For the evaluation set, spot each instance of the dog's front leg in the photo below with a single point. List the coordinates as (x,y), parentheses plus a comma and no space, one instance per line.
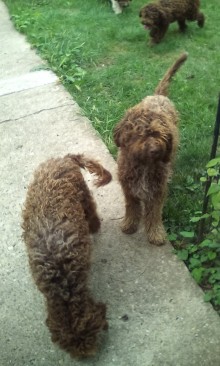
(157,34)
(182,25)
(200,20)
(153,222)
(132,217)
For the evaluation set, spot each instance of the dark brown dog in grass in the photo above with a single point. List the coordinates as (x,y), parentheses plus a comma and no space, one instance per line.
(158,15)
(58,217)
(147,138)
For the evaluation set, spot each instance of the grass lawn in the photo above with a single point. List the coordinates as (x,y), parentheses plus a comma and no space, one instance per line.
(107,65)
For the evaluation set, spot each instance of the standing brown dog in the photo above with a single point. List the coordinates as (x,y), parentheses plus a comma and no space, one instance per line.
(148,138)
(158,15)
(58,216)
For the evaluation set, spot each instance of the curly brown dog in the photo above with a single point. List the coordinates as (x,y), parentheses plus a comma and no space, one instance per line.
(157,16)
(58,216)
(148,138)
(118,5)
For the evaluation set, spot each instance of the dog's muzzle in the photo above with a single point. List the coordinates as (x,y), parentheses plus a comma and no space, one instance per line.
(147,26)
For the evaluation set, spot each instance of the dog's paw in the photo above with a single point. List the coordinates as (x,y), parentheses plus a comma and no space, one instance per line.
(129,227)
(151,42)
(157,241)
(157,237)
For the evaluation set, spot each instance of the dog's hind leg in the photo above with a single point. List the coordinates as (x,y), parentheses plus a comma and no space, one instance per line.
(196,15)
(132,217)
(89,207)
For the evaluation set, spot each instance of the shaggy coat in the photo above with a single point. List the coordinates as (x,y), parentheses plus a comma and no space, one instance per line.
(157,16)
(147,138)
(58,216)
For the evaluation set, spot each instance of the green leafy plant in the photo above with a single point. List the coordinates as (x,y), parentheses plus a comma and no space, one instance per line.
(61,53)
(22,21)
(203,258)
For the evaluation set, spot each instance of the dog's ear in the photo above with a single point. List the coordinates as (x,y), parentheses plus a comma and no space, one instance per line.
(117,132)
(169,148)
(123,133)
(144,12)
(162,19)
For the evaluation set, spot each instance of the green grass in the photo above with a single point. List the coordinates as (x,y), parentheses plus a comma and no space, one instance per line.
(106,63)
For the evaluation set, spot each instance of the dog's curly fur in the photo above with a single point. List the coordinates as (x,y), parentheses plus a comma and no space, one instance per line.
(148,138)
(58,215)
(157,16)
(118,5)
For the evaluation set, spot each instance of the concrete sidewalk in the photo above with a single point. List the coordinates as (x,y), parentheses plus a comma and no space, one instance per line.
(167,322)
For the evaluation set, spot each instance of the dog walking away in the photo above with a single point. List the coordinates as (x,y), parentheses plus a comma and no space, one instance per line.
(157,16)
(58,216)
(147,138)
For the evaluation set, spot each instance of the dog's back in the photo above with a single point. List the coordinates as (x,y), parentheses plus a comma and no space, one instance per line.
(56,226)
(54,213)
(184,7)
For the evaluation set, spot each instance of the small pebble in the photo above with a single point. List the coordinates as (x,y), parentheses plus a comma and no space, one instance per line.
(125,318)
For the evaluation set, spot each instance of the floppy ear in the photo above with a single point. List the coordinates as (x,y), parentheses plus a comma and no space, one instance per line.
(122,133)
(141,12)
(144,12)
(162,19)
(169,148)
(117,132)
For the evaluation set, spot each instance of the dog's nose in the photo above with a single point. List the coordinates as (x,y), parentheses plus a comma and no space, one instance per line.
(154,151)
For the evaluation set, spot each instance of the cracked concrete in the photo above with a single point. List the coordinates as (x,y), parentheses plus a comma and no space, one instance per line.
(26,81)
(37,112)
(156,312)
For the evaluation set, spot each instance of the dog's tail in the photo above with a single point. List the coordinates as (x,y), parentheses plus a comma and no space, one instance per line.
(103,175)
(162,88)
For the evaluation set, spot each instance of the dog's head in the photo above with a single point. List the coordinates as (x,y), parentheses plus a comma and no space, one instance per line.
(144,139)
(124,3)
(78,329)
(87,330)
(151,16)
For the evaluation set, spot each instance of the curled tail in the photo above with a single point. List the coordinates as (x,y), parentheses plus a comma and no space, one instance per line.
(162,88)
(103,175)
